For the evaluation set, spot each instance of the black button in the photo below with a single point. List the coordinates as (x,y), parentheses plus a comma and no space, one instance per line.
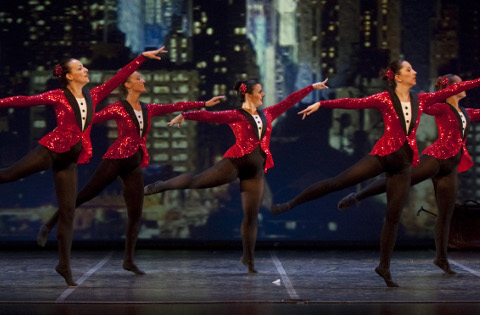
(408,121)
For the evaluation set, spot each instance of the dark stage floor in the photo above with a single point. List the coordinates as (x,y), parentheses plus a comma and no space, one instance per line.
(318,281)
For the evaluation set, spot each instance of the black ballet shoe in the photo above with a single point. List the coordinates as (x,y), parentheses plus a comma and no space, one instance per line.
(42,235)
(66,273)
(130,266)
(444,265)
(250,265)
(385,274)
(347,202)
(153,188)
(280,208)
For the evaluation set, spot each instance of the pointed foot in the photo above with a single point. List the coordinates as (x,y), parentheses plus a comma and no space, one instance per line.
(385,274)
(130,266)
(42,235)
(66,273)
(348,201)
(250,265)
(444,265)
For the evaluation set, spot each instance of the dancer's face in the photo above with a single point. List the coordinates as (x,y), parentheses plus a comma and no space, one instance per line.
(407,75)
(460,95)
(78,73)
(135,83)
(257,95)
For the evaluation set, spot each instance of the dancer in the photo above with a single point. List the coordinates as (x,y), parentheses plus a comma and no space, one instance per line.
(125,158)
(393,154)
(248,159)
(69,143)
(441,162)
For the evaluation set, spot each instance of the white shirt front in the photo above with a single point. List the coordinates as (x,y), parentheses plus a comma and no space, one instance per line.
(258,120)
(464,122)
(139,115)
(83,110)
(407,113)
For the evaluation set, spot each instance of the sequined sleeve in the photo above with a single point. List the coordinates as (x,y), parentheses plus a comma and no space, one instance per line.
(473,113)
(278,109)
(219,117)
(373,101)
(163,109)
(109,112)
(103,90)
(47,98)
(434,109)
(435,97)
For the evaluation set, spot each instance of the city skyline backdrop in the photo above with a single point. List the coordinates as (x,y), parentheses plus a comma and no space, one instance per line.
(287,44)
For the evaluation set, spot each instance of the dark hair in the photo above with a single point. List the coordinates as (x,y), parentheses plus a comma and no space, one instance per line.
(249,84)
(395,66)
(60,71)
(443,81)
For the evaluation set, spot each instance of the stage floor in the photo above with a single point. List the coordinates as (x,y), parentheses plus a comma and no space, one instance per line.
(306,281)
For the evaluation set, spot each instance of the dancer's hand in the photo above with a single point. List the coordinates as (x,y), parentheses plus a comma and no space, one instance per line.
(214,100)
(310,110)
(152,54)
(320,85)
(177,120)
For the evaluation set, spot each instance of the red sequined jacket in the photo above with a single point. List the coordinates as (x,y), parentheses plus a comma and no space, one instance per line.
(395,133)
(245,128)
(450,140)
(69,131)
(129,139)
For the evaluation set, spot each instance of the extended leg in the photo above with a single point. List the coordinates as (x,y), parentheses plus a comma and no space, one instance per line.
(221,173)
(445,195)
(252,194)
(133,195)
(37,160)
(105,173)
(66,188)
(367,167)
(427,168)
(398,185)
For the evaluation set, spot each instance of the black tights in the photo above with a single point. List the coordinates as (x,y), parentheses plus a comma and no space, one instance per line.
(397,167)
(130,173)
(445,182)
(64,167)
(250,170)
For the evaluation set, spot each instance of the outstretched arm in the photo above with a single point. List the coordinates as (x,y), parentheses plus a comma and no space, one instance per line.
(278,109)
(47,98)
(100,92)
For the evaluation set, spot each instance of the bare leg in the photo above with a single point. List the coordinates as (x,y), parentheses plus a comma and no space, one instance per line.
(252,194)
(398,185)
(133,195)
(368,167)
(445,194)
(427,168)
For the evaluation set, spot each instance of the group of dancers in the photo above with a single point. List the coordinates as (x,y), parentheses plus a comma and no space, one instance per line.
(249,158)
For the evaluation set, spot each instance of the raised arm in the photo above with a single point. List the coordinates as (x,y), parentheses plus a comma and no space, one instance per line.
(100,92)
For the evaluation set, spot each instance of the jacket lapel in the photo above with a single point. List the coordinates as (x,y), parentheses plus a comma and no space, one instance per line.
(76,108)
(145,118)
(398,108)
(414,105)
(252,121)
(131,112)
(264,122)
(88,100)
